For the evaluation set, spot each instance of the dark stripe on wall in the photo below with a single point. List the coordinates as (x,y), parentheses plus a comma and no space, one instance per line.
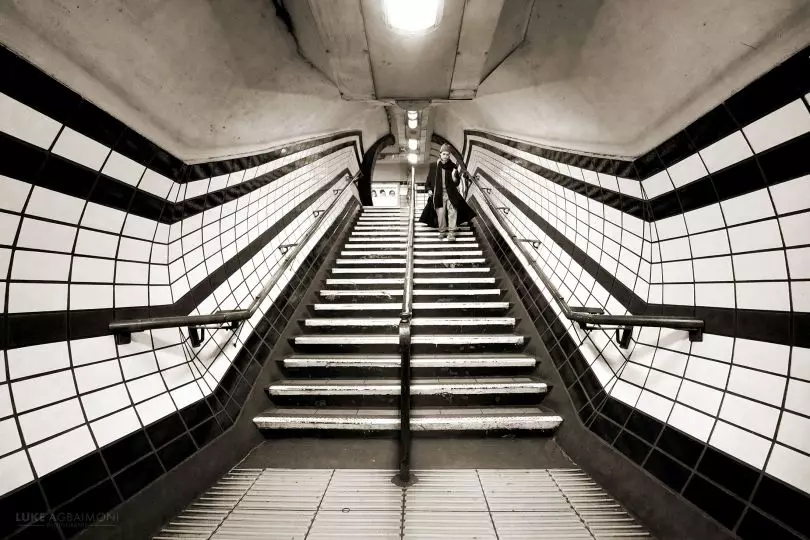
(41,168)
(29,85)
(774,166)
(743,499)
(84,487)
(25,329)
(771,326)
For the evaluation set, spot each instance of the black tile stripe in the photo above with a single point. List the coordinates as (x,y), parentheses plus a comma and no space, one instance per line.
(773,166)
(84,487)
(25,329)
(719,484)
(40,168)
(771,326)
(29,85)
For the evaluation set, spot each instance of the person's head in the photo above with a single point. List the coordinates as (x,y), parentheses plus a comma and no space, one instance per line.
(444,153)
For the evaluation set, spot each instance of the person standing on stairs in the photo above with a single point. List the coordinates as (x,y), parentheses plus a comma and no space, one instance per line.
(446,207)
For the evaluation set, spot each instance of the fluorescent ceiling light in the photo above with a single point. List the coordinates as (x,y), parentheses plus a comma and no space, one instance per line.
(412,114)
(412,123)
(412,159)
(411,144)
(412,15)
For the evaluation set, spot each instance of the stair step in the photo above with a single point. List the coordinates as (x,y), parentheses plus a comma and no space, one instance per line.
(336,293)
(427,306)
(390,245)
(416,280)
(371,261)
(417,361)
(419,387)
(393,322)
(377,254)
(450,260)
(454,253)
(428,270)
(441,419)
(417,234)
(445,245)
(393,339)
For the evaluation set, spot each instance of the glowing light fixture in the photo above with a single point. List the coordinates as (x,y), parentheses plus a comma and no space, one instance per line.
(412,114)
(411,144)
(412,123)
(412,159)
(412,15)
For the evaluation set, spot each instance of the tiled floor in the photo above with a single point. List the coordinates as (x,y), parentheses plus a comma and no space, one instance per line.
(499,504)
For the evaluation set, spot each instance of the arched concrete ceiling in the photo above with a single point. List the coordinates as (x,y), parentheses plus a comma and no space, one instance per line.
(620,76)
(203,78)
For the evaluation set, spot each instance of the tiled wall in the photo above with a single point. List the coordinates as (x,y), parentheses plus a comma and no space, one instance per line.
(714,222)
(97,224)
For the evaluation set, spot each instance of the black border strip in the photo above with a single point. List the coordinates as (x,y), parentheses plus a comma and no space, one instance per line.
(25,329)
(759,325)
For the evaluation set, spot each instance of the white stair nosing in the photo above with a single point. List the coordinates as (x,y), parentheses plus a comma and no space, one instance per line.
(393,339)
(323,322)
(393,245)
(417,361)
(416,280)
(416,305)
(371,261)
(444,253)
(416,292)
(472,260)
(378,254)
(428,270)
(391,387)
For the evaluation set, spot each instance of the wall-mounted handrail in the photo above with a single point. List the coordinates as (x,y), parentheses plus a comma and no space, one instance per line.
(405,317)
(123,329)
(588,315)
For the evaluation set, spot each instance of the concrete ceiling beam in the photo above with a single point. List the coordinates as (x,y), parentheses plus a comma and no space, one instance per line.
(475,39)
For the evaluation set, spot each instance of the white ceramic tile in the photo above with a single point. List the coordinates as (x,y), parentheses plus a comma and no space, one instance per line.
(81,149)
(687,171)
(177,376)
(131,295)
(140,227)
(704,219)
(757,385)
(155,409)
(27,124)
(745,446)
(103,218)
(186,395)
(85,351)
(8,228)
(124,169)
(701,397)
(714,347)
(663,383)
(715,295)
(796,229)
(748,207)
(44,423)
(670,361)
(681,295)
(91,297)
(708,372)
(800,363)
(798,396)
(675,249)
(138,365)
(89,378)
(794,430)
(132,273)
(37,265)
(755,236)
(625,392)
(708,244)
(38,391)
(15,471)
(766,265)
(5,401)
(677,272)
(799,263)
(779,126)
(725,152)
(34,297)
(713,269)
(135,250)
(670,227)
(13,193)
(791,196)
(53,205)
(692,422)
(114,427)
(772,357)
(27,361)
(91,269)
(105,401)
(54,453)
(156,184)
(38,234)
(96,243)
(790,466)
(765,295)
(750,415)
(9,437)
(146,387)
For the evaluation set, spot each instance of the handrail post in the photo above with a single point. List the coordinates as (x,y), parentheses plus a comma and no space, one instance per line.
(404,477)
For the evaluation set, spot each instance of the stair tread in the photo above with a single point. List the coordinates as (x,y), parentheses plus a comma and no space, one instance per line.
(393,339)
(416,411)
(416,305)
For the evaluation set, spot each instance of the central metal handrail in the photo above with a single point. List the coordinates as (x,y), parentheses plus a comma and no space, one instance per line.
(123,329)
(586,316)
(405,317)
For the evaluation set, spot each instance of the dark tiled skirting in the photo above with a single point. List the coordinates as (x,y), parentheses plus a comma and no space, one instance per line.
(743,499)
(98,482)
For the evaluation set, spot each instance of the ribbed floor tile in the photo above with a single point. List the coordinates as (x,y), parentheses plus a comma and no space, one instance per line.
(450,490)
(421,525)
(356,524)
(357,489)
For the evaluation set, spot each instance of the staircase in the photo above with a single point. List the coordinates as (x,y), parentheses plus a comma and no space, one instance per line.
(470,369)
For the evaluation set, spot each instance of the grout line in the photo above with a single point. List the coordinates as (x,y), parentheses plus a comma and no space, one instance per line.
(489,510)
(568,501)
(224,519)
(318,509)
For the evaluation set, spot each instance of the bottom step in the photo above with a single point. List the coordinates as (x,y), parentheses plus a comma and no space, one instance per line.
(443,419)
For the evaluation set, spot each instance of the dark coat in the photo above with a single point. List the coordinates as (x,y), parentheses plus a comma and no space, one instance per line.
(433,183)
